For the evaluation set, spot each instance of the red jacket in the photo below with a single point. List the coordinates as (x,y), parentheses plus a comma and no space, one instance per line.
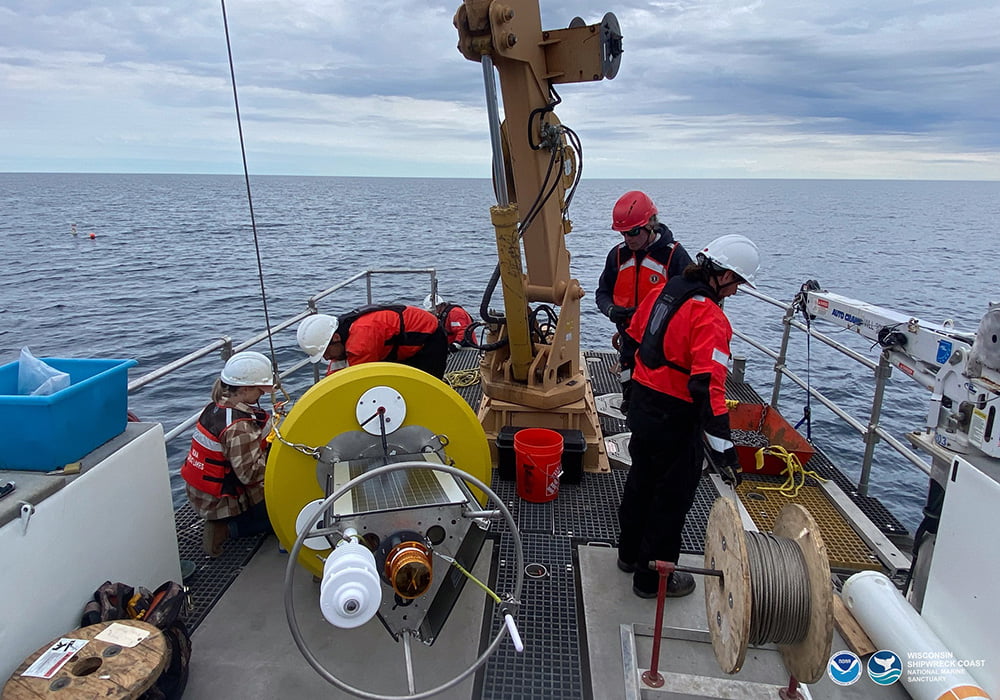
(455,320)
(388,334)
(696,342)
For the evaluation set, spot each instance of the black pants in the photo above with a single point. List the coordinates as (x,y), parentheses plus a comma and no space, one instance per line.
(626,361)
(667,453)
(433,356)
(252,521)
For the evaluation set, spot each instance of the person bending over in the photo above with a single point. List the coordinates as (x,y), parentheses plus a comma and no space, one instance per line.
(377,333)
(453,318)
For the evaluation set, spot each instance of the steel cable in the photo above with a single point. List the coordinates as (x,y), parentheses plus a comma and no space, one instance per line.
(779,585)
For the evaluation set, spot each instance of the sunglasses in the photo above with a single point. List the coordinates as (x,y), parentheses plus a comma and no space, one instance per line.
(632,232)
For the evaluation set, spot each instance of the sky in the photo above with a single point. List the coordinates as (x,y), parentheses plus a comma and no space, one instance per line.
(895,89)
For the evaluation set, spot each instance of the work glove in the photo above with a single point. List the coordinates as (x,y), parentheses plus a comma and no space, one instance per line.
(621,315)
(454,347)
(727,465)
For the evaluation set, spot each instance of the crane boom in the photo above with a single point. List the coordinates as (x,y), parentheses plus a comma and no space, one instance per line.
(961,369)
(534,371)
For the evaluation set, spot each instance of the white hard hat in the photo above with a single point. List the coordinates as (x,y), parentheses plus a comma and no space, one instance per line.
(314,335)
(432,297)
(733,252)
(248,368)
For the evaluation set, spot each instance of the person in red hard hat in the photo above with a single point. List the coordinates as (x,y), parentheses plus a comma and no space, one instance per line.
(645,259)
(377,333)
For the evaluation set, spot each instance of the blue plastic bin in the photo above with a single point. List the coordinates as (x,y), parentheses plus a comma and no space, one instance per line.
(41,433)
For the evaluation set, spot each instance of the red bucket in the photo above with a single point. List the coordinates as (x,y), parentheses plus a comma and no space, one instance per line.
(538,454)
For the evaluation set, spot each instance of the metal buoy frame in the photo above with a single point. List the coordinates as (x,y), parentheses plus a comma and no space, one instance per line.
(795,597)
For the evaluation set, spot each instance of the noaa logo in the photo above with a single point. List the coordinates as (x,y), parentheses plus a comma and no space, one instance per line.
(885,667)
(844,668)
(654,278)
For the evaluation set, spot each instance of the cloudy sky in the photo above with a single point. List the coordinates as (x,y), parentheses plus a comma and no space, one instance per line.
(707,88)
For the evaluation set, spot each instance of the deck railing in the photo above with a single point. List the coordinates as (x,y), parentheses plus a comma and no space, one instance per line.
(225,347)
(871,431)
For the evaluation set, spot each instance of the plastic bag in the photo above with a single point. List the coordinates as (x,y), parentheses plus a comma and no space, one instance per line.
(35,378)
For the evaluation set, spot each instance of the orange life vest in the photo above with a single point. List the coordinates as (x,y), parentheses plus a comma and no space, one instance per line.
(385,333)
(636,279)
(206,467)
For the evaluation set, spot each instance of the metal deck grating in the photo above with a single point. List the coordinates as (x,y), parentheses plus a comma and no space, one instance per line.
(871,507)
(464,360)
(535,517)
(844,548)
(603,370)
(211,577)
(588,511)
(610,425)
(693,534)
(549,666)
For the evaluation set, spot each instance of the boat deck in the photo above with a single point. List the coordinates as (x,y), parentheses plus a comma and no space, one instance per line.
(573,606)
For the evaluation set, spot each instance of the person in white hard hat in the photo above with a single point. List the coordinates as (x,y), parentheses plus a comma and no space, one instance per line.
(679,406)
(224,469)
(453,318)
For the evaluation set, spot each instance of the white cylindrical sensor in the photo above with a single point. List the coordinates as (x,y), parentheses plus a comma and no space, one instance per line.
(350,593)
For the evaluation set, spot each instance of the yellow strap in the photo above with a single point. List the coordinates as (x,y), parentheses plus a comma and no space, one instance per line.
(793,467)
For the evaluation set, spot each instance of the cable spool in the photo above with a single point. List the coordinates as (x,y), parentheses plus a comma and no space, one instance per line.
(774,589)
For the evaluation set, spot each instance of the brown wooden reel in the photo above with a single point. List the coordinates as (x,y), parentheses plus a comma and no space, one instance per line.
(729,600)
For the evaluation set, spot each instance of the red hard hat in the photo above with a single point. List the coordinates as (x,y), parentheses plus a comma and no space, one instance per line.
(632,209)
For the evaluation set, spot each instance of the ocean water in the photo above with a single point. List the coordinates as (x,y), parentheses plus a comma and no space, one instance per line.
(172,265)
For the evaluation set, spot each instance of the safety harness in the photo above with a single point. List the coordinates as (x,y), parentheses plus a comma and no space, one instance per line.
(404,337)
(673,296)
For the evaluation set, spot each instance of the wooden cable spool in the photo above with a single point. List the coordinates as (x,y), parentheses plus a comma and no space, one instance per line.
(803,630)
(99,669)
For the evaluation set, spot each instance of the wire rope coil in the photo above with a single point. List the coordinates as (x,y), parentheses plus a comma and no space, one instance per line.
(774,589)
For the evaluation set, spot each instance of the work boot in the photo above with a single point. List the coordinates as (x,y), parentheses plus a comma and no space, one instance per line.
(627,567)
(215,533)
(679,585)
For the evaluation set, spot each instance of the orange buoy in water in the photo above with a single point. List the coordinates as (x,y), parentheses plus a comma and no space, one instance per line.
(92,235)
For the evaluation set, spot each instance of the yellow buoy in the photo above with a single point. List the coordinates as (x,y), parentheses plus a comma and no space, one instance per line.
(329,409)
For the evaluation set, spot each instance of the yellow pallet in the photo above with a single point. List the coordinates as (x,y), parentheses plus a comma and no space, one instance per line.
(847,551)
